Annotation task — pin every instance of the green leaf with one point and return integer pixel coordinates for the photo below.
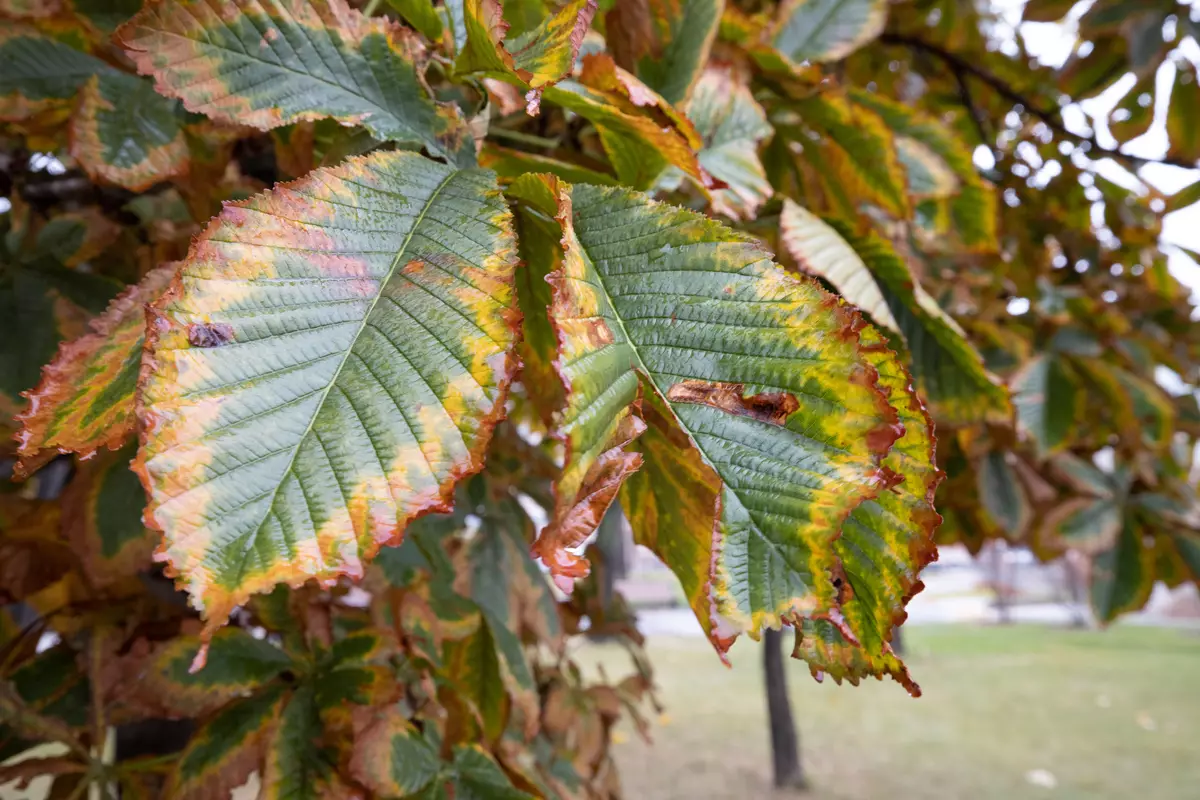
(329, 362)
(733, 125)
(477, 669)
(665, 43)
(126, 133)
(246, 64)
(1047, 10)
(929, 177)
(868, 273)
(1002, 496)
(227, 748)
(1048, 401)
(827, 30)
(84, 401)
(765, 423)
(1123, 575)
(1183, 115)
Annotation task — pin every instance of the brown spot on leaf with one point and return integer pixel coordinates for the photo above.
(773, 407)
(209, 334)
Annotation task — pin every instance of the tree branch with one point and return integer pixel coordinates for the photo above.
(962, 67)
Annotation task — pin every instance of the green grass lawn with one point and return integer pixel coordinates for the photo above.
(1112, 714)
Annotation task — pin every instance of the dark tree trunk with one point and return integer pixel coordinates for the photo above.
(898, 640)
(610, 539)
(785, 744)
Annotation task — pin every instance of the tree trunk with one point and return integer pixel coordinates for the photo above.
(999, 583)
(785, 744)
(897, 641)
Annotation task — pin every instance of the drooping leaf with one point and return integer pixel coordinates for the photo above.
(1091, 521)
(641, 132)
(224, 751)
(746, 374)
(479, 674)
(827, 30)
(885, 543)
(85, 399)
(243, 63)
(126, 133)
(870, 274)
(733, 125)
(329, 362)
(665, 43)
(102, 518)
(1048, 401)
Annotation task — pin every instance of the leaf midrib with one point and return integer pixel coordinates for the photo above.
(645, 370)
(241, 572)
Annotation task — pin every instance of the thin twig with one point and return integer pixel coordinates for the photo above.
(524, 138)
(1049, 117)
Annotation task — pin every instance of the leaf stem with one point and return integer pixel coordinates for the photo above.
(524, 138)
(370, 8)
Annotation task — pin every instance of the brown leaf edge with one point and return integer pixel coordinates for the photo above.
(63, 369)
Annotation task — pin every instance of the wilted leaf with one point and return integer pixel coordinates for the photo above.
(329, 362)
(534, 60)
(665, 43)
(885, 543)
(84, 400)
(641, 132)
(827, 30)
(237, 665)
(227, 748)
(746, 373)
(868, 273)
(732, 124)
(245, 64)
(391, 758)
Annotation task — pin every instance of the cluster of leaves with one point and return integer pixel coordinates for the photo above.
(500, 285)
